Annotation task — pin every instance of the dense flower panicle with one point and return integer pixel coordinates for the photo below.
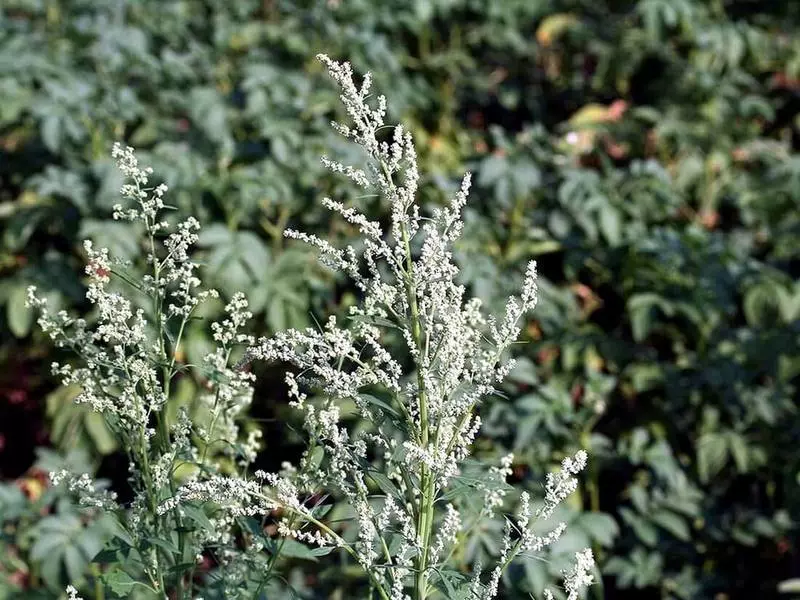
(580, 576)
(408, 279)
(236, 497)
(562, 484)
(129, 359)
(494, 493)
(419, 425)
(448, 532)
(85, 489)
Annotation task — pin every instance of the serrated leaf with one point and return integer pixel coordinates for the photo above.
(119, 582)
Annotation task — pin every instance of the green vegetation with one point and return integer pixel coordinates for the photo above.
(644, 152)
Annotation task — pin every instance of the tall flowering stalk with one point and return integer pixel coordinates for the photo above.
(129, 361)
(401, 473)
(425, 430)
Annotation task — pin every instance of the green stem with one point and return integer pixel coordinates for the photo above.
(427, 479)
(151, 496)
(99, 593)
(341, 543)
(592, 487)
(163, 429)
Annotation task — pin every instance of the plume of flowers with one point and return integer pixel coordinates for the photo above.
(409, 283)
(129, 357)
(418, 402)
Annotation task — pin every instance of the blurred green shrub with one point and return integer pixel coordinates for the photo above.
(646, 152)
(46, 539)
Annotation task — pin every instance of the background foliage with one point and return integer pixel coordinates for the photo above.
(644, 151)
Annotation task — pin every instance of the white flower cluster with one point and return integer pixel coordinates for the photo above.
(232, 393)
(580, 576)
(494, 493)
(130, 355)
(562, 484)
(235, 496)
(448, 532)
(117, 378)
(408, 279)
(85, 489)
(419, 423)
(72, 593)
(120, 377)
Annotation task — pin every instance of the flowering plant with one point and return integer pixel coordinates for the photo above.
(403, 474)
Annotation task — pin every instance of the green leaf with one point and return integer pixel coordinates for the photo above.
(643, 529)
(106, 556)
(761, 305)
(645, 376)
(788, 300)
(209, 113)
(13, 502)
(641, 310)
(51, 133)
(738, 448)
(164, 544)
(54, 533)
(536, 573)
(611, 225)
(75, 563)
(381, 404)
(55, 548)
(198, 515)
(600, 527)
(673, 523)
(387, 485)
(119, 582)
(294, 549)
(19, 316)
(179, 569)
(96, 427)
(712, 454)
(91, 539)
(453, 584)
